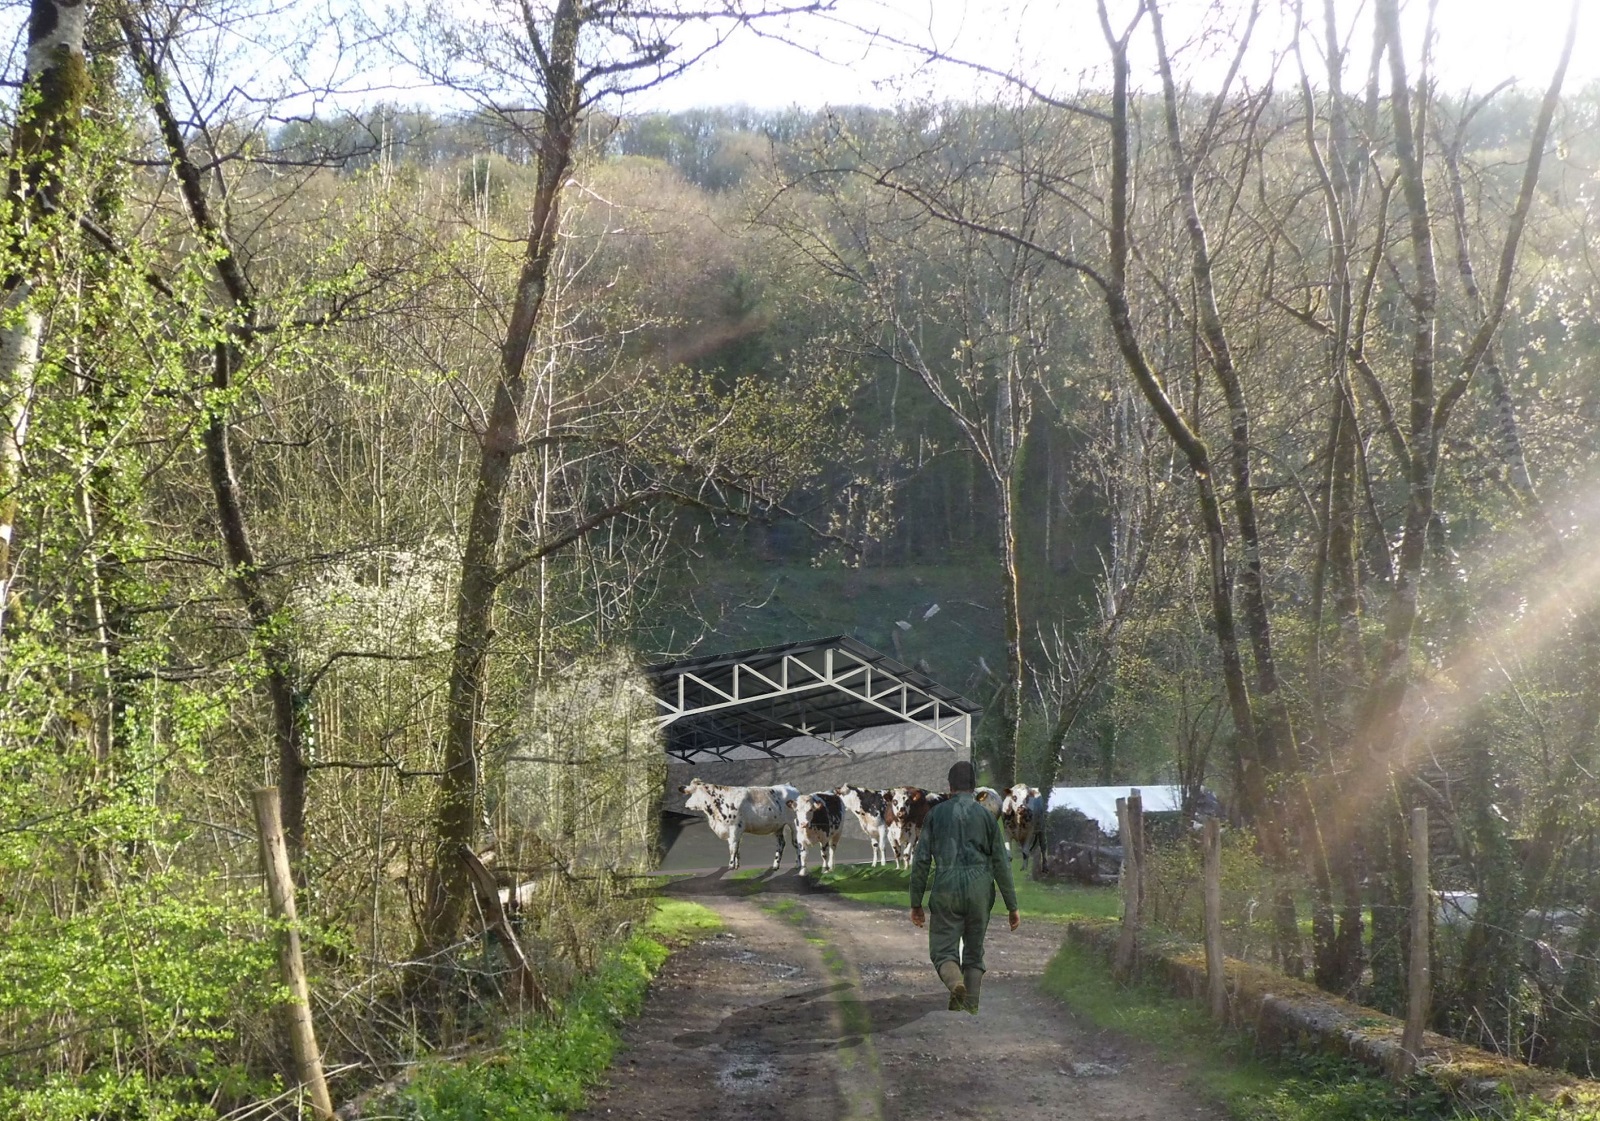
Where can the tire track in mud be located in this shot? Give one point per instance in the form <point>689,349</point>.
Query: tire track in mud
<point>857,1056</point>
<point>810,1006</point>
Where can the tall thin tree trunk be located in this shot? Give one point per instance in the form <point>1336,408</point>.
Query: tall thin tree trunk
<point>1379,732</point>
<point>1247,754</point>
<point>1291,812</point>
<point>290,698</point>
<point>1336,939</point>
<point>1005,761</point>
<point>457,809</point>
<point>20,339</point>
<point>291,704</point>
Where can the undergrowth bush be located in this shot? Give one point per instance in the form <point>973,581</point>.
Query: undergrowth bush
<point>544,1067</point>
<point>1175,893</point>
<point>164,989</point>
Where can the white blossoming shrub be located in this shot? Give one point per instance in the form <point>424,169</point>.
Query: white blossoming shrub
<point>395,602</point>
<point>577,807</point>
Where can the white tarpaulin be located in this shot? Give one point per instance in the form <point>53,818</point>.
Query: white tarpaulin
<point>1099,803</point>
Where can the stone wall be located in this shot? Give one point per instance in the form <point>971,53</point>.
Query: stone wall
<point>1282,1013</point>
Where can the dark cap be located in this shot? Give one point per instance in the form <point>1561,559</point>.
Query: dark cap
<point>962,776</point>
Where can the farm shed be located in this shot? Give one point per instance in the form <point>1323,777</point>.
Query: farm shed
<point>815,714</point>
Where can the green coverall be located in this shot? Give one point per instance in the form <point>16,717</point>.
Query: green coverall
<point>963,842</point>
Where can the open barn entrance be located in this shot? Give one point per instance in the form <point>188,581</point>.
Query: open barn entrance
<point>814,714</point>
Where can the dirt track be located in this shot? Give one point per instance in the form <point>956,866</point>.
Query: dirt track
<point>810,1006</point>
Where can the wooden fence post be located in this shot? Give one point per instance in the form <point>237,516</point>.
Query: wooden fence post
<point>280,893</point>
<point>1130,816</point>
<point>1136,820</point>
<point>1216,978</point>
<point>1418,979</point>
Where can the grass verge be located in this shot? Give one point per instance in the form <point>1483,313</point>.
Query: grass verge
<point>1253,1087</point>
<point>543,1068</point>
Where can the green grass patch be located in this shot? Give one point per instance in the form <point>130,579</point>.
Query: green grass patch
<point>676,921</point>
<point>1298,1087</point>
<point>544,1067</point>
<point>891,887</point>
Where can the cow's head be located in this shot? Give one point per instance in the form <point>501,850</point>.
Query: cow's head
<point>701,796</point>
<point>811,811</point>
<point>1016,799</point>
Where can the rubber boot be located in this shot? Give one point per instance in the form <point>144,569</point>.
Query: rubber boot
<point>974,983</point>
<point>950,974</point>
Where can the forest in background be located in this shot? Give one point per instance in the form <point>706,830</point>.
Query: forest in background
<point>1242,437</point>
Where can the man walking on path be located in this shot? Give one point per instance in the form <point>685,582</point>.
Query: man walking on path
<point>962,841</point>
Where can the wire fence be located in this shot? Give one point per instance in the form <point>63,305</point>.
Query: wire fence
<point>1483,967</point>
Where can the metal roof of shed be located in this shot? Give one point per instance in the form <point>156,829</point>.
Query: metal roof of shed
<point>772,698</point>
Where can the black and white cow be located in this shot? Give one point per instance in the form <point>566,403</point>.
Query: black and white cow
<point>871,808</point>
<point>733,811</point>
<point>908,809</point>
<point>818,820</point>
<point>1023,814</point>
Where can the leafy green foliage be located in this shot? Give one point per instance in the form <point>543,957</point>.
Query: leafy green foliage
<point>161,984</point>
<point>131,980</point>
<point>1173,892</point>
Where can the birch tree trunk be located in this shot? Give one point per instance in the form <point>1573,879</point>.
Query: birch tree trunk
<point>55,85</point>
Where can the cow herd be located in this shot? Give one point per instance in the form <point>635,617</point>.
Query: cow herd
<point>891,819</point>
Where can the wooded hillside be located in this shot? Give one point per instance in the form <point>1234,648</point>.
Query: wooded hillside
<point>1241,437</point>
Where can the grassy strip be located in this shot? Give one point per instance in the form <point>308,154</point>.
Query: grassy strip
<point>542,1069</point>
<point>1300,1087</point>
<point>1057,902</point>
<point>1254,1087</point>
<point>857,1056</point>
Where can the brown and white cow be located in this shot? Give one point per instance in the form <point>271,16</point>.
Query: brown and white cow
<point>989,798</point>
<point>733,811</point>
<point>1022,812</point>
<point>908,809</point>
<point>818,820</point>
<point>871,809</point>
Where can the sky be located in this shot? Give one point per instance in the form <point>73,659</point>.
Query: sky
<point>874,52</point>
<point>868,51</point>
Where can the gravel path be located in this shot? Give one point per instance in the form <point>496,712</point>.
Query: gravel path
<point>812,1006</point>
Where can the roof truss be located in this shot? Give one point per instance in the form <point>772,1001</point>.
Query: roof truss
<point>827,689</point>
